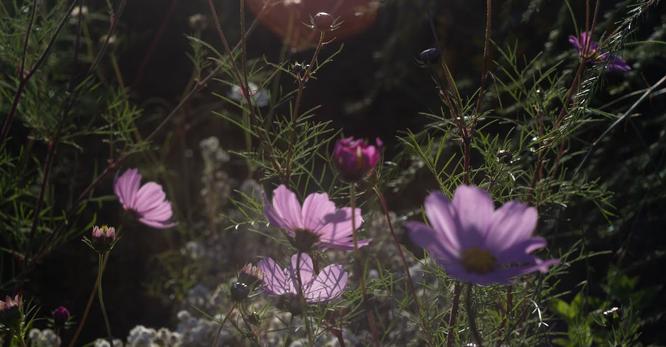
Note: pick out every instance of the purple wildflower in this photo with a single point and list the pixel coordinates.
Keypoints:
(355, 158)
(590, 50)
(474, 242)
(327, 285)
(318, 223)
(148, 202)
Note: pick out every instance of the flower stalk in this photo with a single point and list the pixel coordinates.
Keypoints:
(471, 316)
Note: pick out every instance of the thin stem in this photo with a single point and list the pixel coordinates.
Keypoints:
(301, 297)
(507, 316)
(295, 114)
(361, 261)
(24, 78)
(42, 190)
(471, 316)
(154, 42)
(410, 283)
(86, 311)
(486, 55)
(219, 331)
(248, 325)
(100, 296)
(450, 337)
(238, 73)
(26, 39)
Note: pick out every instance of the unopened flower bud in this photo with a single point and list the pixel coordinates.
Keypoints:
(355, 158)
(198, 22)
(103, 238)
(323, 21)
(60, 316)
(239, 291)
(250, 275)
(430, 56)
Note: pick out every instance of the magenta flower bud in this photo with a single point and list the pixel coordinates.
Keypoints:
(103, 238)
(60, 316)
(355, 158)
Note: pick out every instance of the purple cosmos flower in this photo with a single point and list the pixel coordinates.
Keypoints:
(355, 158)
(148, 202)
(327, 285)
(590, 50)
(476, 243)
(318, 223)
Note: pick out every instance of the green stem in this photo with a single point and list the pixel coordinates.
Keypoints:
(100, 296)
(471, 316)
(359, 258)
(301, 296)
(86, 311)
(410, 283)
(450, 337)
(219, 331)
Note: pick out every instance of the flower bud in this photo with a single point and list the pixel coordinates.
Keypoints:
(355, 158)
(239, 291)
(103, 238)
(430, 56)
(250, 275)
(323, 22)
(60, 316)
(198, 22)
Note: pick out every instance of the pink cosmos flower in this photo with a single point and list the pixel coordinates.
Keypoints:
(10, 303)
(355, 158)
(476, 243)
(148, 202)
(590, 50)
(327, 285)
(317, 223)
(10, 311)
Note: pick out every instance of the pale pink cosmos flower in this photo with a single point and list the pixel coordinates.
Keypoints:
(324, 286)
(474, 242)
(317, 223)
(10, 303)
(148, 202)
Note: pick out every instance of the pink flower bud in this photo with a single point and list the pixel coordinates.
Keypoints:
(355, 158)
(103, 238)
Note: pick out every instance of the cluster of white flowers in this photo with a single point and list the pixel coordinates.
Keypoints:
(105, 343)
(216, 183)
(44, 338)
(199, 332)
(141, 336)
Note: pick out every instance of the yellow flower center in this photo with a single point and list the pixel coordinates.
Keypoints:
(478, 260)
